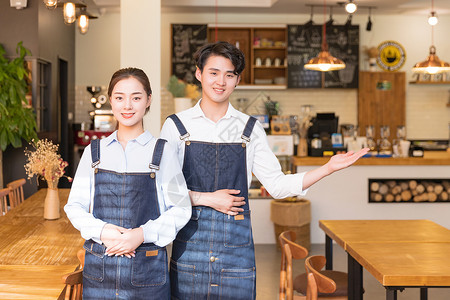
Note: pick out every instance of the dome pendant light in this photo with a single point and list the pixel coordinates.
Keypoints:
(432, 65)
(324, 61)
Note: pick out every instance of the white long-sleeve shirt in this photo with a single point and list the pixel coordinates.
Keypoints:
(173, 197)
(260, 159)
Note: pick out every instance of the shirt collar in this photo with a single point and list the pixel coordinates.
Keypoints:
(198, 112)
(142, 139)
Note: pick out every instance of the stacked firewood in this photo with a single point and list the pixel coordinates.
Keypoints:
(409, 190)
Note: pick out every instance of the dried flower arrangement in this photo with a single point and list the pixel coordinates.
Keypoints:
(45, 162)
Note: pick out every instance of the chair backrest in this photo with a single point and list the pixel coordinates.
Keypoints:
(16, 196)
(74, 286)
(322, 283)
(289, 250)
(4, 194)
(80, 255)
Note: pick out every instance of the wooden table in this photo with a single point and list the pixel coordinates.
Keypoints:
(389, 239)
(34, 252)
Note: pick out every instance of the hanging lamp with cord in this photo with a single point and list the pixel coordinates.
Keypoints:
(324, 61)
(432, 65)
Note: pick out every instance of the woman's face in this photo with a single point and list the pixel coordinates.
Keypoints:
(129, 102)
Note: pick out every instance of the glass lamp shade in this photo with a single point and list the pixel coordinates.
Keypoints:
(69, 13)
(50, 4)
(432, 65)
(432, 19)
(325, 62)
(350, 7)
(83, 24)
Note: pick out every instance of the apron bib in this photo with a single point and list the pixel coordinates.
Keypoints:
(213, 256)
(128, 200)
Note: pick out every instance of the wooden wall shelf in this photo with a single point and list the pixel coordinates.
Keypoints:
(429, 82)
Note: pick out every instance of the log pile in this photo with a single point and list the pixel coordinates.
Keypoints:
(409, 190)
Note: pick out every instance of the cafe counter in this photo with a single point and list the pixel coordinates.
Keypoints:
(431, 158)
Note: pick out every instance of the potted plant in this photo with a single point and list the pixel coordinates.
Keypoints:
(183, 93)
(17, 119)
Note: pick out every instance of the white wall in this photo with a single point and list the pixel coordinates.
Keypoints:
(97, 53)
(426, 111)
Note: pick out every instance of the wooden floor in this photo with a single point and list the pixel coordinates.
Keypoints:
(268, 268)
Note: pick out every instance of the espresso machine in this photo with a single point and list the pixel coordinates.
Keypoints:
(324, 125)
(103, 122)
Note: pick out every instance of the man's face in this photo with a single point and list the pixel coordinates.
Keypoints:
(217, 79)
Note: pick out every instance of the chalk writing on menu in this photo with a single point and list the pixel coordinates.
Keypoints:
(186, 39)
(305, 42)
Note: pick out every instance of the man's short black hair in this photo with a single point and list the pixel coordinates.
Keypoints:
(223, 49)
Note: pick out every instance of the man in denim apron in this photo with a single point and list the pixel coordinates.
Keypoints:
(220, 148)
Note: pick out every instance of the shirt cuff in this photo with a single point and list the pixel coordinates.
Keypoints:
(150, 232)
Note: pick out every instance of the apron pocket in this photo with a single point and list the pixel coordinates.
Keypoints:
(94, 262)
(237, 284)
(189, 232)
(149, 266)
(238, 230)
(182, 280)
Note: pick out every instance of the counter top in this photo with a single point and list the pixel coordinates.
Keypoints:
(430, 158)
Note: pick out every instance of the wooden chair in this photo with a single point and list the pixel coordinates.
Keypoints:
(16, 196)
(4, 194)
(74, 281)
(319, 284)
(74, 286)
(289, 284)
(80, 255)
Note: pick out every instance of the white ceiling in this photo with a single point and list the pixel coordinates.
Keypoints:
(402, 7)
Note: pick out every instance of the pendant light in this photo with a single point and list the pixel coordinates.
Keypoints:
(432, 18)
(432, 65)
(83, 23)
(350, 7)
(69, 12)
(50, 4)
(324, 61)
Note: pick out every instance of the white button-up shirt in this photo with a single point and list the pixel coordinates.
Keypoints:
(260, 159)
(173, 197)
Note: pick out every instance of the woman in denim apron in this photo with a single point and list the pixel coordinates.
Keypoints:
(140, 201)
(220, 149)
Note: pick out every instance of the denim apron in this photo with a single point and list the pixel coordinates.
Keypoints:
(128, 200)
(213, 256)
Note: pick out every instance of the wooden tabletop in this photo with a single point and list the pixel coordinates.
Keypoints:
(34, 252)
(351, 231)
(405, 264)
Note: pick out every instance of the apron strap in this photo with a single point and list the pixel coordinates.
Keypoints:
(248, 129)
(95, 152)
(157, 154)
(183, 132)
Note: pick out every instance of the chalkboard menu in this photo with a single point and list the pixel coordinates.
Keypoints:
(304, 43)
(186, 39)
